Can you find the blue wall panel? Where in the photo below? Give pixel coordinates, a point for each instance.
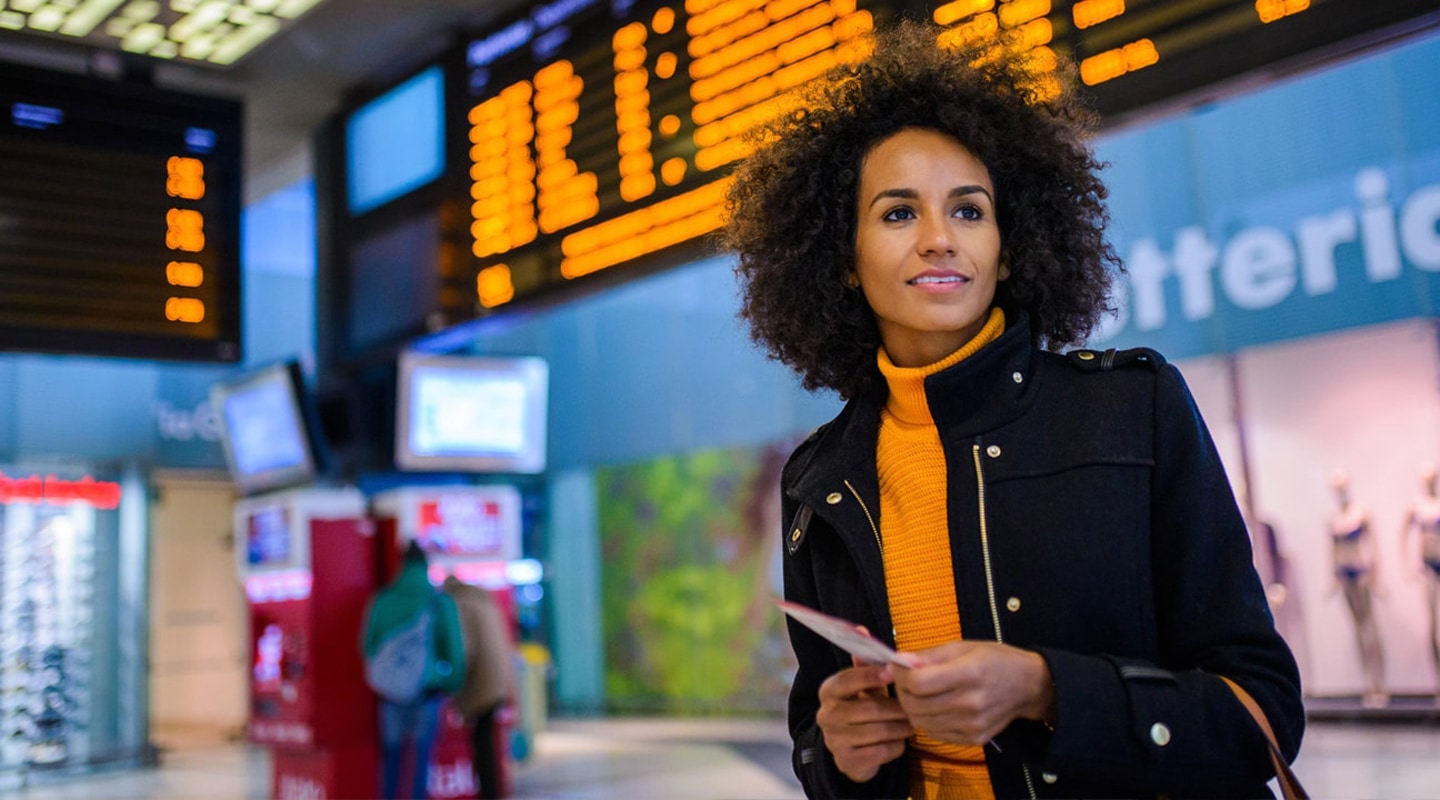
(657, 366)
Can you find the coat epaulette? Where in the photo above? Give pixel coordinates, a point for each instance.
(1105, 360)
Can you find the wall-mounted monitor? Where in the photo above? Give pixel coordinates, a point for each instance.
(471, 414)
(119, 218)
(269, 428)
(396, 142)
(267, 538)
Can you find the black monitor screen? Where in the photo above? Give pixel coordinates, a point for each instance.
(119, 219)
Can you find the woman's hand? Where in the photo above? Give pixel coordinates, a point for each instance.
(968, 692)
(864, 727)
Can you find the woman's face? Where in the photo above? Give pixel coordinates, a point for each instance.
(927, 244)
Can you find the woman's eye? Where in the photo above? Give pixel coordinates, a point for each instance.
(899, 213)
(970, 212)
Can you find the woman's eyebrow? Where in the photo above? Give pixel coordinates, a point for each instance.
(911, 194)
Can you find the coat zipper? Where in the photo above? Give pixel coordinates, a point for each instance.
(990, 578)
(873, 527)
(985, 545)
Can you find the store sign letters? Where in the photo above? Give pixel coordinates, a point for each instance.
(1350, 252)
(1261, 266)
(183, 425)
(56, 491)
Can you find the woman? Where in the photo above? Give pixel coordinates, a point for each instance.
(1053, 536)
(414, 657)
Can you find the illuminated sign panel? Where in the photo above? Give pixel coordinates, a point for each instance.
(119, 219)
(597, 137)
(589, 141)
(58, 491)
(1136, 56)
(601, 132)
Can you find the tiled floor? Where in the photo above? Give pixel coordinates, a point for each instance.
(730, 759)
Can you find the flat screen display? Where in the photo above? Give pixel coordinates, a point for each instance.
(268, 538)
(269, 435)
(396, 142)
(119, 219)
(469, 414)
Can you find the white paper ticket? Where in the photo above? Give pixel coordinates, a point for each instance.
(848, 636)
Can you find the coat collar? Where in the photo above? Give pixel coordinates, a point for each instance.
(976, 395)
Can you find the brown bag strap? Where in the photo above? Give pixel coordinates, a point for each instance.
(1290, 788)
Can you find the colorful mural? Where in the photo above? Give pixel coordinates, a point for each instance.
(690, 555)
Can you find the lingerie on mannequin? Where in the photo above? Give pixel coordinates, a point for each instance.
(1430, 543)
(1349, 555)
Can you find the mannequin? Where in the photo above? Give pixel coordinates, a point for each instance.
(1353, 554)
(1423, 518)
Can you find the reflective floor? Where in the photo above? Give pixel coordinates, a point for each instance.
(734, 760)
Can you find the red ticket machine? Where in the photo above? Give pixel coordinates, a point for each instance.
(307, 560)
(473, 533)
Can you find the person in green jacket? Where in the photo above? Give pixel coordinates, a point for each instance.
(415, 656)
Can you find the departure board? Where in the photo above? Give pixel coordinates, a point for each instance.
(119, 219)
(592, 152)
(600, 133)
(590, 141)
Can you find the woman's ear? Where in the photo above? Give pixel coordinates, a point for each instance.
(851, 280)
(1004, 272)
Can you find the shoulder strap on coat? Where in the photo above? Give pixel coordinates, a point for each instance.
(1106, 360)
(798, 528)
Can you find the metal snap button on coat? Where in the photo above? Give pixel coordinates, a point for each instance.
(1085, 355)
(795, 535)
(993, 451)
(1049, 777)
(1017, 377)
(833, 498)
(1160, 734)
(1013, 604)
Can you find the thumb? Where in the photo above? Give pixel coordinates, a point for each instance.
(854, 659)
(859, 662)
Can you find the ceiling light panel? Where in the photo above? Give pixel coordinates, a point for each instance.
(214, 32)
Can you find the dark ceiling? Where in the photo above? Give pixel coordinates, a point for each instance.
(292, 82)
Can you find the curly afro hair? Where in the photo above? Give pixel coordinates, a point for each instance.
(792, 205)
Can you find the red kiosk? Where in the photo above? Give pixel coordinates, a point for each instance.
(307, 560)
(473, 533)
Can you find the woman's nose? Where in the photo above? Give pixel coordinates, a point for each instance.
(935, 237)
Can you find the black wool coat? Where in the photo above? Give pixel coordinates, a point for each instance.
(1091, 521)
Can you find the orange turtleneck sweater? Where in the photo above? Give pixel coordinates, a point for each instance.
(919, 575)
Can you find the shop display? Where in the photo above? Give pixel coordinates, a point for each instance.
(1352, 551)
(46, 596)
(1423, 519)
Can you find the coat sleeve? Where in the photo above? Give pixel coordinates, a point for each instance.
(367, 629)
(818, 660)
(449, 644)
(1173, 727)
